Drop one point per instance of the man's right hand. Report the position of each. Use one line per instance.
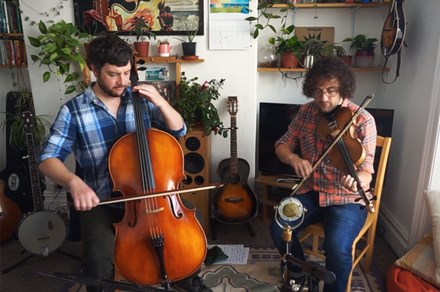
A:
(84, 198)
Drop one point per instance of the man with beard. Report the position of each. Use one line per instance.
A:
(329, 195)
(88, 125)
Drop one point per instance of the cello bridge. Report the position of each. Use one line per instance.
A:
(154, 211)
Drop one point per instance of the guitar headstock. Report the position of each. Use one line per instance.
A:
(28, 118)
(232, 105)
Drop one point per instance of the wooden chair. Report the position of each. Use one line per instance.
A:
(368, 232)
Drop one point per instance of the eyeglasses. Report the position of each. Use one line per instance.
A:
(330, 92)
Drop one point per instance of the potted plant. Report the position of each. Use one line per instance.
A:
(315, 48)
(164, 48)
(17, 138)
(196, 107)
(60, 50)
(288, 46)
(364, 47)
(142, 30)
(189, 46)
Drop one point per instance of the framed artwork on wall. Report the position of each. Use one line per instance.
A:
(165, 17)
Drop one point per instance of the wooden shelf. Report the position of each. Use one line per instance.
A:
(355, 69)
(333, 5)
(171, 60)
(11, 35)
(13, 66)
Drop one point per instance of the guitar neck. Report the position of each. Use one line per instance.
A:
(33, 171)
(234, 157)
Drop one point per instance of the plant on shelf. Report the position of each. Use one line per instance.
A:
(189, 46)
(265, 16)
(164, 48)
(288, 46)
(315, 48)
(60, 50)
(141, 27)
(196, 107)
(364, 47)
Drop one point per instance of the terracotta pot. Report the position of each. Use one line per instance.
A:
(364, 58)
(347, 59)
(289, 60)
(142, 48)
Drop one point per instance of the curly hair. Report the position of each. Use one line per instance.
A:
(109, 49)
(330, 68)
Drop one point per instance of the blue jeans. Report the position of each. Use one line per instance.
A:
(342, 224)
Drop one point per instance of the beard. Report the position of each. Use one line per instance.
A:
(114, 91)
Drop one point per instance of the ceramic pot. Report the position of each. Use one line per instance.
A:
(289, 60)
(164, 49)
(142, 48)
(189, 49)
(364, 58)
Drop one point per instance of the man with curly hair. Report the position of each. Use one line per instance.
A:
(328, 195)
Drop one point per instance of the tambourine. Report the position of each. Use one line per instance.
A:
(290, 209)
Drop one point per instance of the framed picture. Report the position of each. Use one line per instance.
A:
(166, 88)
(165, 17)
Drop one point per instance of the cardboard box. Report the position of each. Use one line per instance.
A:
(323, 33)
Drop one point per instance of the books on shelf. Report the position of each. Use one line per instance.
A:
(10, 19)
(12, 52)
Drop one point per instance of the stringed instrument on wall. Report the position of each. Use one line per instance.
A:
(41, 231)
(393, 33)
(235, 202)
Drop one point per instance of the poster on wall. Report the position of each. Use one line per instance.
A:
(165, 17)
(228, 29)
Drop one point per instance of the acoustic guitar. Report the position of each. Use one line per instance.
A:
(10, 214)
(41, 231)
(235, 202)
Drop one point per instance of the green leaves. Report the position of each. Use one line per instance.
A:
(195, 104)
(59, 46)
(265, 16)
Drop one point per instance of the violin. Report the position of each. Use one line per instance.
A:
(159, 240)
(349, 152)
(329, 126)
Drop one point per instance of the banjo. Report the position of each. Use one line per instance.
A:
(41, 231)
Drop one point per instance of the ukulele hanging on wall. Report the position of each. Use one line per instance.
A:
(235, 202)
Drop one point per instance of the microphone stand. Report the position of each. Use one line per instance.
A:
(314, 272)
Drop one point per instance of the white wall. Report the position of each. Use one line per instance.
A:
(414, 160)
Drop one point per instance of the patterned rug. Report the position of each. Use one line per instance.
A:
(262, 274)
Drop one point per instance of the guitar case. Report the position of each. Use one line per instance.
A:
(17, 174)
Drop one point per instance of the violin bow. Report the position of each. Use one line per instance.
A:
(366, 101)
(159, 194)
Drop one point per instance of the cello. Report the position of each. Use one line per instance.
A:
(152, 244)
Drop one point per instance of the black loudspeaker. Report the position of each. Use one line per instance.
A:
(196, 148)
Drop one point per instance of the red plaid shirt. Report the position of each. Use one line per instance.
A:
(303, 139)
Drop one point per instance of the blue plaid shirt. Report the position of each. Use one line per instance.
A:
(84, 126)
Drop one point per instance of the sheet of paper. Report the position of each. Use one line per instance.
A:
(237, 254)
